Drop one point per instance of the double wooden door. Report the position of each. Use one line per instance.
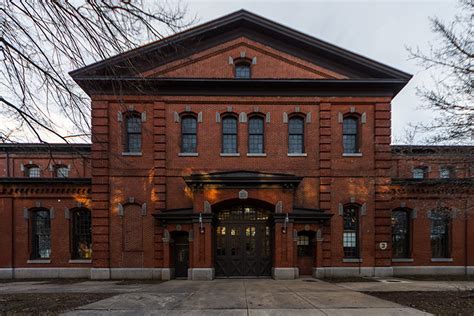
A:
(243, 242)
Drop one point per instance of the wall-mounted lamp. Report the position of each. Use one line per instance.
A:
(201, 226)
(284, 223)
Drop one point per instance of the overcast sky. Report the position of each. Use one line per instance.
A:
(377, 29)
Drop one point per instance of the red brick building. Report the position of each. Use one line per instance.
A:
(237, 148)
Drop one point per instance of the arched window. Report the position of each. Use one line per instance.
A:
(40, 234)
(188, 134)
(256, 139)
(229, 134)
(242, 70)
(296, 135)
(133, 131)
(61, 171)
(350, 134)
(401, 233)
(81, 234)
(440, 233)
(32, 171)
(351, 231)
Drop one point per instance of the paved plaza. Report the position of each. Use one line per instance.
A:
(238, 296)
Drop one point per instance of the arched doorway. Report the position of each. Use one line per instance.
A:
(243, 241)
(305, 252)
(180, 254)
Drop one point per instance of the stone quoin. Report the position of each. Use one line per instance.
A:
(237, 148)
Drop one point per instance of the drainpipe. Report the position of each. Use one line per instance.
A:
(465, 238)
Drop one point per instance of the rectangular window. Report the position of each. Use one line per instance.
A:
(296, 135)
(256, 135)
(440, 245)
(446, 172)
(400, 234)
(419, 173)
(40, 234)
(81, 234)
(229, 135)
(350, 238)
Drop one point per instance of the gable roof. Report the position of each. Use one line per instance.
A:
(131, 64)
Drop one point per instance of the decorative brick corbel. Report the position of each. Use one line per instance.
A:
(285, 117)
(143, 116)
(199, 119)
(243, 117)
(176, 117)
(308, 118)
(268, 117)
(120, 209)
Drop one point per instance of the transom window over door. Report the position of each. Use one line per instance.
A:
(133, 131)
(296, 135)
(400, 234)
(256, 139)
(351, 232)
(350, 137)
(229, 135)
(188, 134)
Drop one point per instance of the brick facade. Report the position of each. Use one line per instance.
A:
(141, 202)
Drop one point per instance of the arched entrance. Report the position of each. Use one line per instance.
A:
(180, 254)
(243, 241)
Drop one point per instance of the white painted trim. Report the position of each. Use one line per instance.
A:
(256, 155)
(352, 260)
(352, 155)
(131, 154)
(39, 261)
(188, 154)
(403, 260)
(441, 259)
(297, 155)
(230, 154)
(80, 261)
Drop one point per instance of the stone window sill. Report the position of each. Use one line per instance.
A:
(39, 261)
(131, 154)
(403, 260)
(297, 155)
(352, 155)
(256, 155)
(441, 259)
(80, 261)
(188, 154)
(352, 260)
(230, 155)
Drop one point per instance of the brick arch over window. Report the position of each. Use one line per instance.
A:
(242, 68)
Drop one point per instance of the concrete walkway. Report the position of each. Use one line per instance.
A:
(233, 297)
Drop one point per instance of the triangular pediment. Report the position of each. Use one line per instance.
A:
(310, 58)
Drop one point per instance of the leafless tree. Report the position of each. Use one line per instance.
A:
(40, 41)
(452, 59)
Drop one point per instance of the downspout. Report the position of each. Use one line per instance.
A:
(465, 239)
(13, 237)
